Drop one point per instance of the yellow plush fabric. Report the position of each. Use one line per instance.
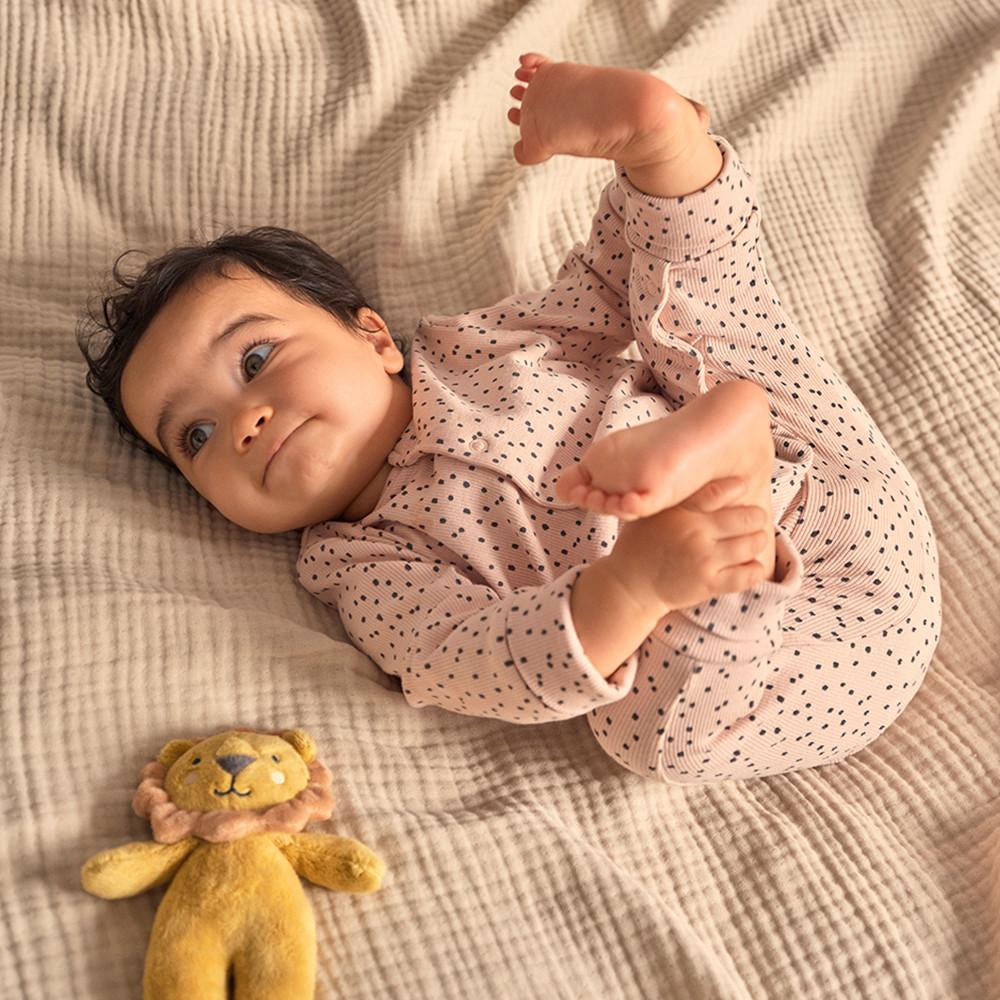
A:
(226, 813)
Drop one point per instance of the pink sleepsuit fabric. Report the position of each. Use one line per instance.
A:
(459, 581)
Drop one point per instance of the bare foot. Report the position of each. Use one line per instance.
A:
(600, 111)
(639, 471)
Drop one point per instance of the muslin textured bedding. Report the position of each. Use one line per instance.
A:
(522, 861)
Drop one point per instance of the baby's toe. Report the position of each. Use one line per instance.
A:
(572, 478)
(596, 500)
(632, 504)
(615, 505)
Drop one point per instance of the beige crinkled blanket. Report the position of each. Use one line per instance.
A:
(523, 862)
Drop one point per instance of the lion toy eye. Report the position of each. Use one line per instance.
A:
(197, 760)
(275, 758)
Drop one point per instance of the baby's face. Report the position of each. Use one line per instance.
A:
(232, 404)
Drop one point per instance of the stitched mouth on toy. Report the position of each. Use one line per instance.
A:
(232, 789)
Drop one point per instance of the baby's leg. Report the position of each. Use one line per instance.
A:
(767, 698)
(813, 666)
(842, 494)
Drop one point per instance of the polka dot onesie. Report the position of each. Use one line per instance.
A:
(459, 581)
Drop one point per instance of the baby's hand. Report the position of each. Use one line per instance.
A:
(702, 547)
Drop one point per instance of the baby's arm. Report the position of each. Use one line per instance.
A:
(460, 645)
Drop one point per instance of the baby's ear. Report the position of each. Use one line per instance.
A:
(173, 751)
(304, 744)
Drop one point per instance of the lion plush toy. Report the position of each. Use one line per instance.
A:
(227, 812)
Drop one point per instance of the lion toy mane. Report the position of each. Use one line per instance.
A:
(227, 814)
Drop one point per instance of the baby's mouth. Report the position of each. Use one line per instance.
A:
(232, 790)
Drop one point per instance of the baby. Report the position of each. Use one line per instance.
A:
(712, 553)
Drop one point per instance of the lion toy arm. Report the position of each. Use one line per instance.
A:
(134, 868)
(333, 862)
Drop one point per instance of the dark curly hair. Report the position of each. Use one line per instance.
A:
(282, 256)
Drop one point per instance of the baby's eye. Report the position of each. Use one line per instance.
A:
(181, 441)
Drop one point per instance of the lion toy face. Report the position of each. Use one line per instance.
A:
(234, 770)
(234, 784)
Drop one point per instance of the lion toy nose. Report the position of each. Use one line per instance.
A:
(234, 763)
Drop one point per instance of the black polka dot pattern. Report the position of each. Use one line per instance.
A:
(459, 580)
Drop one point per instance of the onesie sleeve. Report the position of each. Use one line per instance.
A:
(458, 644)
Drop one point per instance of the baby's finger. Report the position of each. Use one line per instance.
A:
(734, 551)
(733, 521)
(716, 494)
(734, 579)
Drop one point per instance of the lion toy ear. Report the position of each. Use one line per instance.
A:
(174, 750)
(304, 744)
